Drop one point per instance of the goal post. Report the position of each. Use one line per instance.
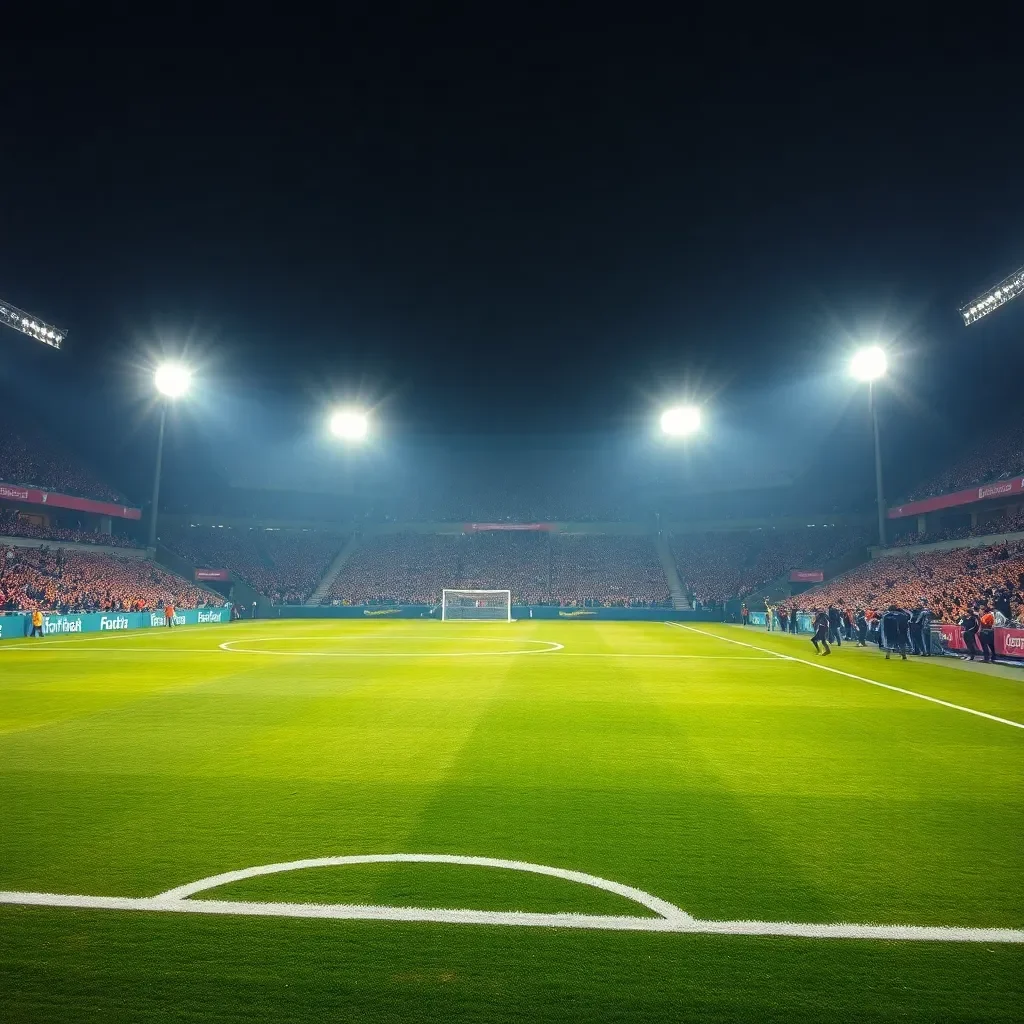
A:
(476, 604)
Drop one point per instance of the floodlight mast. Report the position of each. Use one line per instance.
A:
(31, 325)
(1007, 289)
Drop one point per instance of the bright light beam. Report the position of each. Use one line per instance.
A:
(680, 420)
(869, 363)
(349, 424)
(172, 380)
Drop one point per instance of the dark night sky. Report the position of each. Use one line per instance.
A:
(484, 228)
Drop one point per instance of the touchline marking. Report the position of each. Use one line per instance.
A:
(670, 918)
(548, 646)
(851, 675)
(690, 657)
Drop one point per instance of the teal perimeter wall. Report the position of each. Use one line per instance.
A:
(19, 624)
(536, 611)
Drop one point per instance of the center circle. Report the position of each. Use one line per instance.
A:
(536, 646)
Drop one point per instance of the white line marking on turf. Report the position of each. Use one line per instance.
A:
(670, 917)
(851, 675)
(548, 646)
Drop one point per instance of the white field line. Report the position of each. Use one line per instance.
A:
(540, 647)
(670, 918)
(851, 675)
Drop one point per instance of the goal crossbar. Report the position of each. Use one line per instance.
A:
(495, 605)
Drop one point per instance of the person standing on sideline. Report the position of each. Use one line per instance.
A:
(254, 609)
(745, 614)
(169, 615)
(916, 631)
(862, 628)
(987, 635)
(970, 625)
(783, 618)
(926, 628)
(768, 624)
(895, 624)
(834, 625)
(793, 624)
(37, 624)
(820, 632)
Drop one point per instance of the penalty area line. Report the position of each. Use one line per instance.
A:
(852, 675)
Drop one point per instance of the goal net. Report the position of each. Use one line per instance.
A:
(476, 604)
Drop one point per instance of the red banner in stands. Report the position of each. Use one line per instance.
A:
(212, 574)
(484, 527)
(806, 576)
(34, 496)
(1009, 642)
(967, 497)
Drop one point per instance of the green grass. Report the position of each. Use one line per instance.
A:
(733, 785)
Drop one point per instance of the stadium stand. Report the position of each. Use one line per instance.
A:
(13, 524)
(715, 567)
(29, 458)
(284, 565)
(1007, 524)
(607, 570)
(538, 567)
(71, 581)
(949, 580)
(400, 568)
(997, 457)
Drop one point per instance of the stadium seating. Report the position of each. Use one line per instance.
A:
(55, 579)
(14, 525)
(996, 457)
(283, 565)
(27, 457)
(538, 567)
(718, 566)
(949, 580)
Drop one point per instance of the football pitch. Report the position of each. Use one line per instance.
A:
(504, 821)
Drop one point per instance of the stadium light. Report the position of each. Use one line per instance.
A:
(680, 420)
(349, 424)
(868, 365)
(172, 380)
(1000, 295)
(31, 325)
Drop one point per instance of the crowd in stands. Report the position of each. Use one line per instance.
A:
(29, 458)
(715, 567)
(1007, 524)
(996, 457)
(14, 524)
(53, 579)
(951, 582)
(571, 570)
(284, 565)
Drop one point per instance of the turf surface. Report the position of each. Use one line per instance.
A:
(732, 783)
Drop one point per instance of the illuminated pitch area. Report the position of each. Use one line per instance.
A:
(705, 780)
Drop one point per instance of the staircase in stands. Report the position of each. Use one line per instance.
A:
(333, 570)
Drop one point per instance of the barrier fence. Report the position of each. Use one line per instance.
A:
(519, 611)
(15, 625)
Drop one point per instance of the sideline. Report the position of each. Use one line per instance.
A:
(851, 675)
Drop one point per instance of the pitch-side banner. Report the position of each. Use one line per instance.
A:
(34, 496)
(1009, 642)
(806, 576)
(217, 575)
(484, 527)
(998, 489)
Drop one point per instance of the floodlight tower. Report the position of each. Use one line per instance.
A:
(172, 381)
(31, 325)
(868, 365)
(1007, 289)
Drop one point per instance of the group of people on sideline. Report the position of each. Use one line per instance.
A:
(894, 629)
